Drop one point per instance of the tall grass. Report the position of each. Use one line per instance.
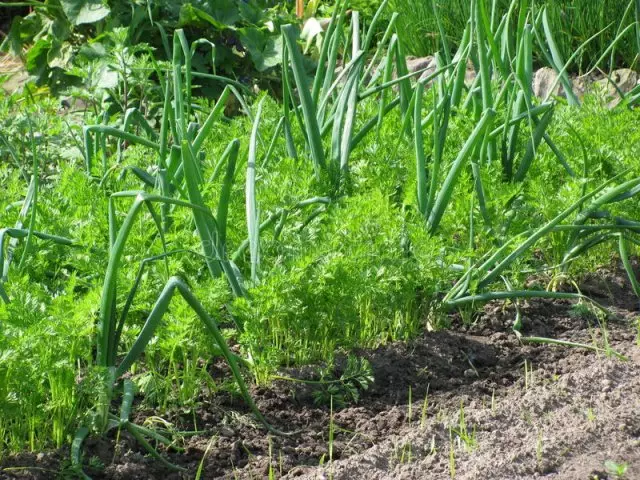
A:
(572, 21)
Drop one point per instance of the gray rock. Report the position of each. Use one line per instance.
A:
(418, 63)
(544, 80)
(624, 79)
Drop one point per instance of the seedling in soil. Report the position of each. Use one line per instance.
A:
(204, 456)
(604, 333)
(539, 450)
(452, 456)
(425, 407)
(272, 473)
(357, 377)
(402, 453)
(250, 457)
(581, 310)
(527, 417)
(410, 409)
(528, 374)
(617, 470)
(463, 435)
(331, 437)
(467, 313)
(432, 446)
(407, 453)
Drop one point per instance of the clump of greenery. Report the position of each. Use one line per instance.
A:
(44, 365)
(357, 210)
(615, 469)
(356, 378)
(57, 39)
(353, 284)
(572, 21)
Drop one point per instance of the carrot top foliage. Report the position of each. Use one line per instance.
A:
(360, 207)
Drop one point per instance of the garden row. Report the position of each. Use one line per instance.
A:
(363, 206)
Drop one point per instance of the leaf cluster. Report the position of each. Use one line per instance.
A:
(58, 38)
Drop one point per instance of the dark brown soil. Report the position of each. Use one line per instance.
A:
(572, 413)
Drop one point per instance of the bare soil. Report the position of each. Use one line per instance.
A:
(566, 415)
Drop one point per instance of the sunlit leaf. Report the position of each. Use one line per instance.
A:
(84, 11)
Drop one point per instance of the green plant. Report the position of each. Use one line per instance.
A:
(480, 45)
(539, 448)
(528, 375)
(57, 39)
(331, 103)
(331, 435)
(463, 434)
(573, 21)
(357, 377)
(452, 457)
(183, 176)
(369, 204)
(28, 213)
(425, 409)
(618, 470)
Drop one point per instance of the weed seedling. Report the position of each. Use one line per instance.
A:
(331, 436)
(528, 374)
(407, 453)
(539, 449)
(425, 407)
(410, 407)
(432, 446)
(204, 456)
(272, 473)
(615, 469)
(357, 377)
(402, 453)
(466, 437)
(581, 310)
(452, 456)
